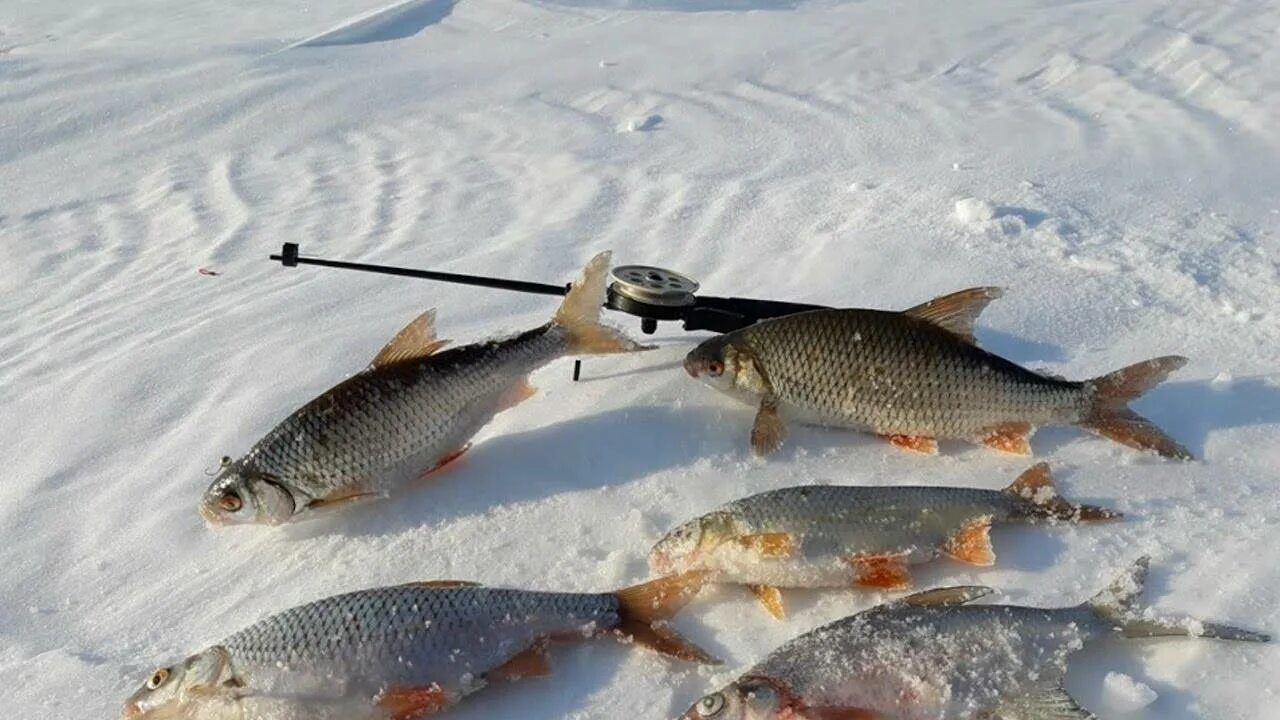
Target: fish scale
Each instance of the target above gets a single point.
(876, 370)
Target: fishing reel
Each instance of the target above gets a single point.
(650, 293)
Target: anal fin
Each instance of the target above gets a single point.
(886, 572)
(530, 663)
(771, 598)
(447, 459)
(914, 443)
(1012, 438)
(413, 703)
(972, 543)
(516, 394)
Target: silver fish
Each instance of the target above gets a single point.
(931, 657)
(829, 536)
(403, 652)
(412, 411)
(915, 376)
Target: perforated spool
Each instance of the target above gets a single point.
(654, 285)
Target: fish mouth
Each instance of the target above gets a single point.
(131, 711)
(691, 367)
(211, 518)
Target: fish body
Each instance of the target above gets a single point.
(932, 657)
(915, 376)
(832, 536)
(413, 410)
(405, 650)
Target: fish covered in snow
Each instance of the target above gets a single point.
(932, 657)
(403, 652)
(412, 411)
(829, 536)
(916, 376)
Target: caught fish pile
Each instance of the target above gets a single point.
(930, 656)
(916, 376)
(913, 377)
(827, 536)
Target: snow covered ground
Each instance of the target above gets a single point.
(1115, 165)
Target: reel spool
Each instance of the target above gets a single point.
(652, 293)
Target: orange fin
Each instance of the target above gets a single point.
(415, 342)
(1041, 500)
(448, 459)
(771, 598)
(956, 312)
(776, 544)
(1013, 438)
(1111, 417)
(887, 572)
(768, 431)
(914, 443)
(643, 610)
(530, 663)
(839, 713)
(516, 394)
(344, 497)
(972, 544)
(412, 703)
(442, 584)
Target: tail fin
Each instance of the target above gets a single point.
(1111, 417)
(1118, 604)
(1041, 500)
(644, 609)
(579, 314)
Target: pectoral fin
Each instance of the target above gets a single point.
(770, 544)
(345, 497)
(1049, 703)
(885, 572)
(768, 431)
(528, 664)
(413, 703)
(771, 598)
(972, 544)
(516, 394)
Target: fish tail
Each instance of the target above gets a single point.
(579, 314)
(1111, 417)
(1118, 604)
(644, 609)
(1040, 499)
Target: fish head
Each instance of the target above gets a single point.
(726, 364)
(240, 495)
(746, 699)
(685, 548)
(173, 692)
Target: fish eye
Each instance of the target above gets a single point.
(711, 705)
(226, 460)
(157, 678)
(715, 368)
(230, 502)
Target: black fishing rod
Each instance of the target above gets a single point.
(650, 293)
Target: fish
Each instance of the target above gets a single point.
(831, 536)
(915, 376)
(404, 652)
(411, 412)
(933, 656)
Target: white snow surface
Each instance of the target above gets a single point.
(1123, 694)
(1128, 152)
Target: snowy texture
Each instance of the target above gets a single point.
(1132, 146)
(1123, 695)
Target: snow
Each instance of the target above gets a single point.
(1128, 152)
(1124, 695)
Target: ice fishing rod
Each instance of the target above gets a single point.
(650, 293)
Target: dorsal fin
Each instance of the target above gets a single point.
(956, 312)
(416, 341)
(1034, 484)
(442, 584)
(946, 597)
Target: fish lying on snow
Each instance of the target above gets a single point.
(828, 536)
(930, 657)
(413, 410)
(915, 376)
(401, 653)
